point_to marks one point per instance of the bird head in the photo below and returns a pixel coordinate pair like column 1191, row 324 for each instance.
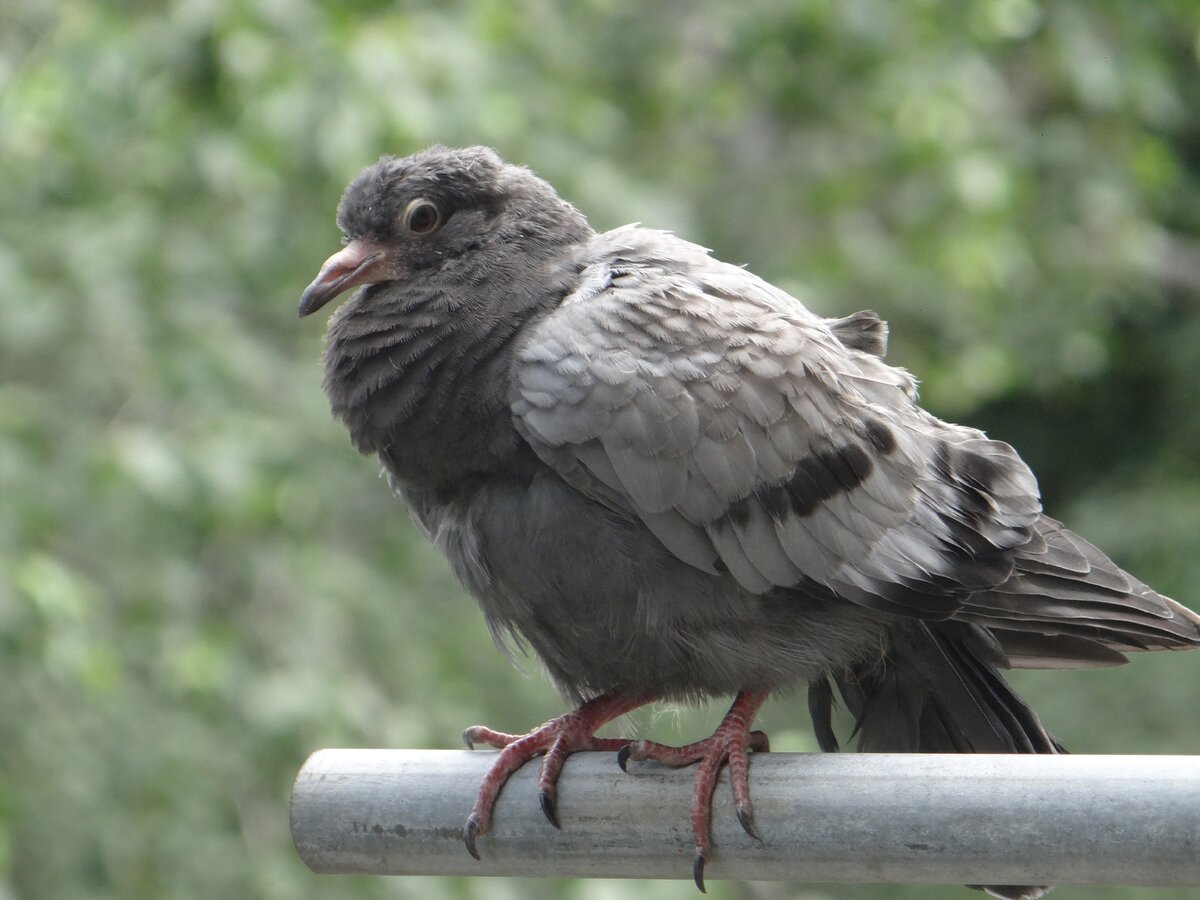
column 425, row 211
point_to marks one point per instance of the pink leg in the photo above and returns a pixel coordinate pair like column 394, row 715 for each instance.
column 557, row 739
column 729, row 744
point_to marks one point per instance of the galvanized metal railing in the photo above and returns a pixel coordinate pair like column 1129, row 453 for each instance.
column 965, row 819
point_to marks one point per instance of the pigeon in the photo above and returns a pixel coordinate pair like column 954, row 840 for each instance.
column 671, row 481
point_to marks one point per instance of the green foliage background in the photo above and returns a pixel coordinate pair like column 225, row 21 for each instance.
column 200, row 582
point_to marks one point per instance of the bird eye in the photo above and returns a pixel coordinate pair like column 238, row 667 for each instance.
column 422, row 216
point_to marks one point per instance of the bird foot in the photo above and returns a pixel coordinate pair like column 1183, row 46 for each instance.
column 554, row 741
column 728, row 745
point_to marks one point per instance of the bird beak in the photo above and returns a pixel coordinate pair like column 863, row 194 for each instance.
column 361, row 262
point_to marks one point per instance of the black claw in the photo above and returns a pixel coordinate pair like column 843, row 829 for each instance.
column 623, row 757
column 549, row 807
column 470, row 832
column 470, row 743
column 746, row 820
column 698, row 869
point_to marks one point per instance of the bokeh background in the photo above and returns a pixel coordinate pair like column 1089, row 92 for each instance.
column 200, row 582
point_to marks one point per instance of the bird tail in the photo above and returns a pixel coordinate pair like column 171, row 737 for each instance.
column 936, row 689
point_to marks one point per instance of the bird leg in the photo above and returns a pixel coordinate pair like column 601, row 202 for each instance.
column 556, row 739
column 729, row 744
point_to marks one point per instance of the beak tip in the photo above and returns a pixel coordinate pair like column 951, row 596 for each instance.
column 311, row 300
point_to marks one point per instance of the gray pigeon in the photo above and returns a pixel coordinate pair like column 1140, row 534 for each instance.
column 672, row 481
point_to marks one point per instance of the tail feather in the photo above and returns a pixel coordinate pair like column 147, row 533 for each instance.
column 820, row 710
column 1031, row 650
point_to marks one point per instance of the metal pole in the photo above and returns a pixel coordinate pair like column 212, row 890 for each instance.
column 962, row 819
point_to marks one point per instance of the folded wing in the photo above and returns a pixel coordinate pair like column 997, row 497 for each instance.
column 753, row 437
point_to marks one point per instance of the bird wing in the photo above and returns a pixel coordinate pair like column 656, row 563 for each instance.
column 753, row 437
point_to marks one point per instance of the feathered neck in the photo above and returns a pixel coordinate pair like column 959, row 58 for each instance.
column 419, row 370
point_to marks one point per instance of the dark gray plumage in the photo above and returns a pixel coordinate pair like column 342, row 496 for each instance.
column 671, row 480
